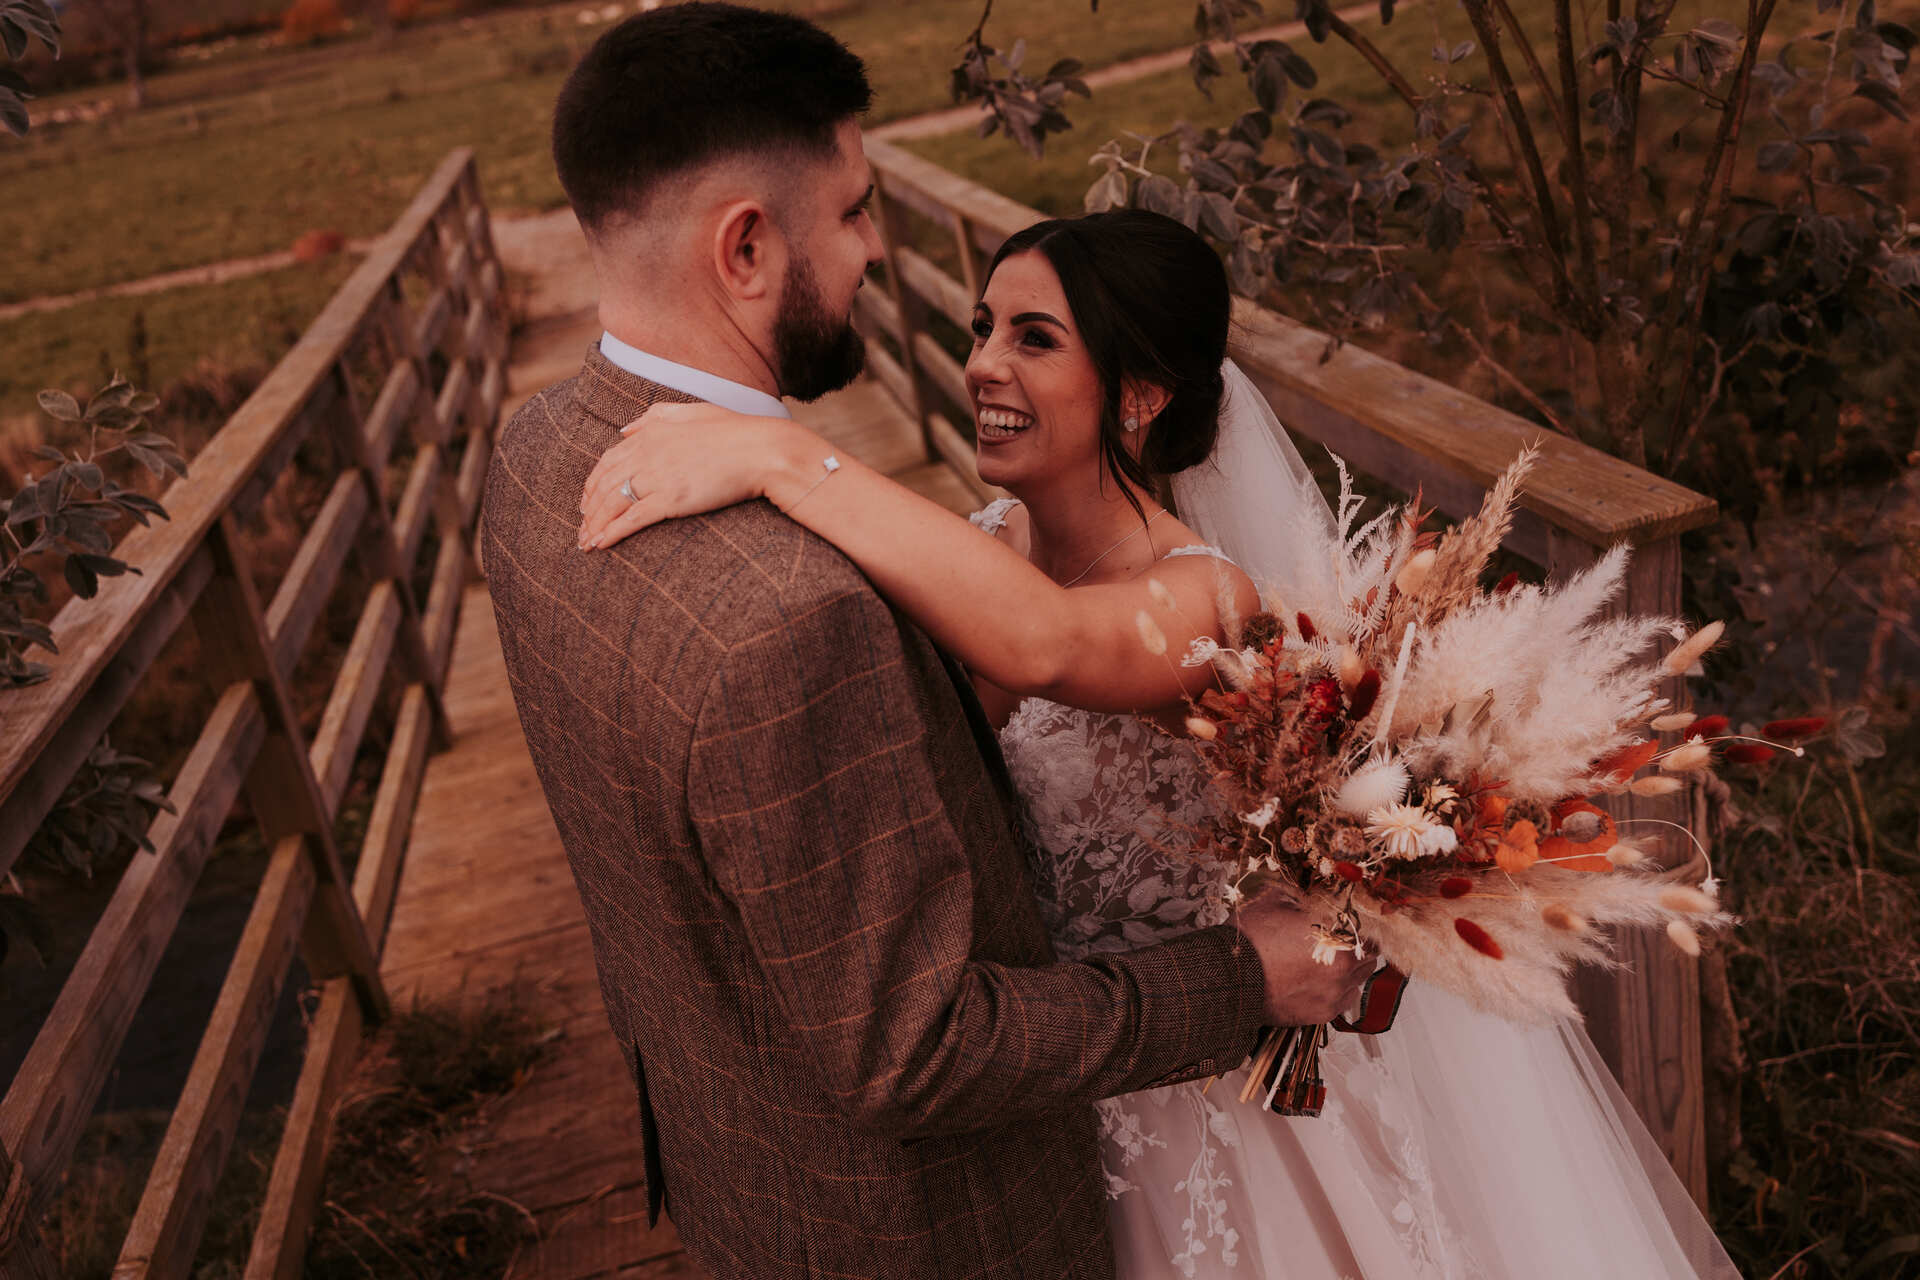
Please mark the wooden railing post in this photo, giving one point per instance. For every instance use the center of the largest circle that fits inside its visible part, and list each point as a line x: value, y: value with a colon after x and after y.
x: 281, y: 789
x: 1644, y: 1016
x: 912, y: 312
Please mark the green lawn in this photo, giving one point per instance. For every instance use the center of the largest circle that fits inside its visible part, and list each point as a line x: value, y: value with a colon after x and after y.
x: 246, y: 154
x: 252, y: 321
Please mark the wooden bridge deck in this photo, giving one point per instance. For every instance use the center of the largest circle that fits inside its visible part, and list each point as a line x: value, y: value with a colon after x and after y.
x: 487, y: 906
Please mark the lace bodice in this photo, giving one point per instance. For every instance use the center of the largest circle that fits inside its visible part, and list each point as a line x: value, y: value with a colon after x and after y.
x: 1109, y: 804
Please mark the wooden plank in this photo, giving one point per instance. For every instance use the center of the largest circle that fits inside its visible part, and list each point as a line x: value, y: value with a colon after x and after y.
x: 54, y: 1090
x: 1589, y: 494
x: 1644, y: 1016
x: 943, y: 371
x: 450, y: 405
x: 926, y: 186
x: 875, y: 310
x: 961, y: 458
x: 173, y: 1209
x: 431, y: 328
x: 315, y: 569
x: 392, y: 409
x: 273, y: 461
x: 355, y: 688
x: 443, y: 607
x: 888, y: 373
x: 383, y: 851
x: 32, y: 796
x: 416, y: 504
x: 968, y: 251
x: 281, y: 788
x: 493, y: 390
x: 941, y: 291
x: 473, y: 477
x: 293, y: 1188
x: 23, y: 1249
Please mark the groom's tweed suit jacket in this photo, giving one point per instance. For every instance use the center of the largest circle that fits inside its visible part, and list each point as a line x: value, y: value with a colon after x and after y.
x: 815, y: 930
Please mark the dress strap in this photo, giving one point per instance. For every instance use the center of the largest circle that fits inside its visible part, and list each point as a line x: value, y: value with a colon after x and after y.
x: 993, y: 517
x: 1198, y: 549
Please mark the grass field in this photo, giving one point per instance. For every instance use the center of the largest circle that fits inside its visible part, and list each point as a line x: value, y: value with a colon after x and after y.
x: 243, y: 158
x: 241, y: 323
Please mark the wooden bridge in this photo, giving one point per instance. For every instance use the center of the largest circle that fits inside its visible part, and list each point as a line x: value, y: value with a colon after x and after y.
x: 458, y: 888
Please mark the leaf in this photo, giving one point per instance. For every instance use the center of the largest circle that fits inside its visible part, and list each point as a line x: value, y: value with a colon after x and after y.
x: 1109, y: 191
x: 1883, y: 97
x: 1159, y: 195
x: 13, y: 113
x: 1269, y: 81
x: 85, y: 583
x: 25, y: 505
x: 1777, y: 157
x: 60, y: 405
x: 1218, y: 217
x: 1856, y: 741
x: 1461, y: 51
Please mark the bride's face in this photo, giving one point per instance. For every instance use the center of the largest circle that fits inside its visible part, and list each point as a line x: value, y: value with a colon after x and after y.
x: 1036, y: 394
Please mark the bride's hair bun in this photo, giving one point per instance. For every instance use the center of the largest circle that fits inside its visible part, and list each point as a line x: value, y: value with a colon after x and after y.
x: 1151, y: 301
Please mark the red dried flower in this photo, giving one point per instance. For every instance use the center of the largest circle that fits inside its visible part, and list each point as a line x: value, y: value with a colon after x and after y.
x: 1349, y: 871
x: 1477, y: 938
x: 1506, y: 584
x: 1322, y: 698
x: 1455, y: 887
x: 1706, y: 727
x: 1364, y: 693
x: 1797, y: 727
x: 1620, y: 765
x: 1748, y: 753
x: 1307, y: 630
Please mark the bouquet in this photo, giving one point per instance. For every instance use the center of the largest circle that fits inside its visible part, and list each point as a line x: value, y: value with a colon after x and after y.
x: 1416, y: 759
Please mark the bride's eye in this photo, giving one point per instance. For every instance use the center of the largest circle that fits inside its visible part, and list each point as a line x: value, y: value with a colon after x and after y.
x: 1038, y: 339
x: 982, y: 329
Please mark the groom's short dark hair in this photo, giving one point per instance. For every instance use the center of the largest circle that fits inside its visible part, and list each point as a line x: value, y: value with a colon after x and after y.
x: 666, y: 92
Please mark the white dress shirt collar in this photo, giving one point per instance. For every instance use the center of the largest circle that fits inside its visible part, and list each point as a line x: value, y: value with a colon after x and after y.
x: 697, y: 383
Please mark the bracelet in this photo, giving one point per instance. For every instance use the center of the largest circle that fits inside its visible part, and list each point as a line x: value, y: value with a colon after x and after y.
x: 828, y: 466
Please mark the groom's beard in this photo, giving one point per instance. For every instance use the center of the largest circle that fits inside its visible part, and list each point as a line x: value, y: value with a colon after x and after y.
x: 814, y: 352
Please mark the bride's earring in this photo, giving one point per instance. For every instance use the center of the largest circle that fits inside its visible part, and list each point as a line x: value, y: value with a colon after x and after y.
x: 1132, y: 425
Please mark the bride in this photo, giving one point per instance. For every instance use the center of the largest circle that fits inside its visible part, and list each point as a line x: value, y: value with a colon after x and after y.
x: 1455, y: 1145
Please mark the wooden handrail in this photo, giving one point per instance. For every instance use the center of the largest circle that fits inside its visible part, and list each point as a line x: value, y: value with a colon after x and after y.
x: 441, y: 373
x: 1395, y: 425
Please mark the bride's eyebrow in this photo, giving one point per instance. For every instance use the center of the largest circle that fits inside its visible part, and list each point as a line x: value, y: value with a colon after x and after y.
x: 1027, y: 317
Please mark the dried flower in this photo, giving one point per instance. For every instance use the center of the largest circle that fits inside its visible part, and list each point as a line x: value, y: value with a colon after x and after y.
x: 1655, y: 785
x: 1691, y: 901
x: 1456, y: 887
x: 1158, y: 593
x: 1260, y: 818
x: 1707, y: 727
x: 1351, y: 667
x: 1558, y: 915
x: 1293, y: 840
x: 1401, y: 829
x: 1308, y: 631
x: 1261, y: 630
x: 1327, y: 945
x: 1202, y: 729
x: 1670, y: 723
x: 1365, y: 692
x: 1693, y: 647
x: 1519, y: 848
x: 1797, y: 727
x: 1749, y: 753
x: 1375, y: 785
x: 1622, y: 854
x: 1413, y: 575
x: 1694, y: 755
x: 1681, y: 934
x: 1477, y: 938
x: 1150, y: 633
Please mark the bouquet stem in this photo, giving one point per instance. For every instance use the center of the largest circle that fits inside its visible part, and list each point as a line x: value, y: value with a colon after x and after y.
x: 1286, y: 1071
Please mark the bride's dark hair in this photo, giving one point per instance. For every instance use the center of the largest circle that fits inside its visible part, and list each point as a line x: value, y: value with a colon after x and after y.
x: 1151, y: 302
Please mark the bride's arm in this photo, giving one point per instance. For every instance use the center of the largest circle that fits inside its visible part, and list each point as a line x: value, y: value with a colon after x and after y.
x: 1111, y: 647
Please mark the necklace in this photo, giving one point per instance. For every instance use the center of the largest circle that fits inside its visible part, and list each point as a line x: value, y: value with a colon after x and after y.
x: 1115, y: 547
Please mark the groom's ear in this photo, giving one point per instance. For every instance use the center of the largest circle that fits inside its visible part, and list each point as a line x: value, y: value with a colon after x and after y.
x: 748, y: 253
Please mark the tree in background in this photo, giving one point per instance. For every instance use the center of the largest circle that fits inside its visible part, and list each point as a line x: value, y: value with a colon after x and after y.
x: 1573, y: 209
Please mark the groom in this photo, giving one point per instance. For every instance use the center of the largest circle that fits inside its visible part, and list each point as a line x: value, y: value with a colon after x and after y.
x: 816, y: 934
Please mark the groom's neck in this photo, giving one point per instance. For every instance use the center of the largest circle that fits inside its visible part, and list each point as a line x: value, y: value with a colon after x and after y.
x: 713, y: 344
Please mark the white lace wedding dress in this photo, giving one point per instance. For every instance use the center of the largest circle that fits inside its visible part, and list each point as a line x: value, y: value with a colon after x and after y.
x: 1456, y: 1145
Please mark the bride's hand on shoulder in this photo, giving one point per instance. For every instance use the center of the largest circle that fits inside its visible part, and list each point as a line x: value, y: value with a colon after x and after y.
x: 680, y: 460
